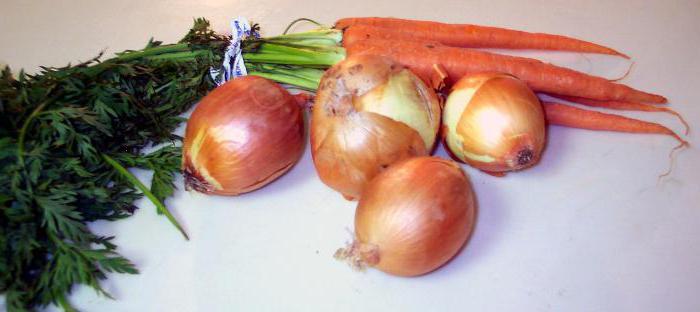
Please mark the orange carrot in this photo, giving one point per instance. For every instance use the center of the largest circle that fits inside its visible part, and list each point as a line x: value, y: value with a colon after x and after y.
x: 458, y: 62
x: 468, y: 36
x: 631, y: 106
x: 363, y: 32
x: 569, y: 116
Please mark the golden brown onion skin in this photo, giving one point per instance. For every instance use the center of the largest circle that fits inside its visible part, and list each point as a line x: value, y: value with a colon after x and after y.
x: 242, y: 135
x: 494, y: 122
x: 415, y: 216
x: 350, y: 144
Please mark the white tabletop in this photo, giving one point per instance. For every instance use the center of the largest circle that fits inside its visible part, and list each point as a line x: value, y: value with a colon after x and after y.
x: 588, y: 229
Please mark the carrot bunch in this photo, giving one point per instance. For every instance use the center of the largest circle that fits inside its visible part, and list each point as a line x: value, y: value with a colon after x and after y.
x: 425, y: 46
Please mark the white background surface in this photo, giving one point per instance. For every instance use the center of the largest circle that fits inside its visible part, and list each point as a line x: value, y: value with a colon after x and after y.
x: 588, y: 229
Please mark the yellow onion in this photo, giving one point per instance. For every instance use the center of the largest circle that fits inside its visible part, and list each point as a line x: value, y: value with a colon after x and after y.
x: 494, y: 122
x: 369, y: 112
x: 412, y: 218
x: 242, y: 135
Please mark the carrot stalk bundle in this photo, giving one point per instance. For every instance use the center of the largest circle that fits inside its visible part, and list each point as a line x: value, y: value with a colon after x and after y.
x: 466, y: 35
x: 540, y: 76
x: 569, y: 116
x: 630, y: 106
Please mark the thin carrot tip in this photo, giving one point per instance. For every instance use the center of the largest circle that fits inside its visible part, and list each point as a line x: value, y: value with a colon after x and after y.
x: 629, y: 70
x: 685, y: 124
x: 684, y: 144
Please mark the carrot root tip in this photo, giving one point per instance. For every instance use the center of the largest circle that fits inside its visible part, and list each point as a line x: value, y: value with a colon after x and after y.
x: 629, y: 70
x: 682, y: 120
x: 672, y: 159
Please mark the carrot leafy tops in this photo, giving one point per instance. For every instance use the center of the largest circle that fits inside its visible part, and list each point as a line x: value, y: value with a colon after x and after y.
x: 66, y: 136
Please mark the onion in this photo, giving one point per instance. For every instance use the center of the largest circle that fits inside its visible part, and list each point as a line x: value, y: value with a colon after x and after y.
x: 242, y: 135
x: 494, y: 122
x: 369, y: 113
x: 412, y: 218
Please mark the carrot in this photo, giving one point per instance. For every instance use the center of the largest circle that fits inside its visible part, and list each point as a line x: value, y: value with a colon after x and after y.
x: 569, y: 116
x: 631, y: 106
x: 467, y: 35
x: 458, y: 62
x: 363, y: 32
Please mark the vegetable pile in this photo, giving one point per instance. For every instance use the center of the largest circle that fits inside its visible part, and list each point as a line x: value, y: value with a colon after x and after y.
x: 363, y: 129
x: 441, y: 54
x: 392, y: 87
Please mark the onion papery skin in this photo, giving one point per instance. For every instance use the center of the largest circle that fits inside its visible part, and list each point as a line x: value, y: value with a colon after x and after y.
x: 242, y: 135
x: 494, y: 122
x: 414, y: 217
x: 369, y: 112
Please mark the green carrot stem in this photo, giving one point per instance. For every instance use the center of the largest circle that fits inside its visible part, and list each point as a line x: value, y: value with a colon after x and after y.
x: 314, y: 74
x: 304, y: 78
x: 304, y: 84
x: 298, y: 48
x: 159, y: 205
x: 184, y: 55
x: 302, y: 19
x: 297, y: 57
x: 23, y: 132
x: 317, y: 37
x: 170, y: 48
x: 293, y: 52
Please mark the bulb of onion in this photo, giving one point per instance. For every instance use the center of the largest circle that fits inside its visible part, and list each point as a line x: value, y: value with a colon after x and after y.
x: 413, y: 217
x: 369, y: 113
x: 242, y: 135
x: 494, y: 122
